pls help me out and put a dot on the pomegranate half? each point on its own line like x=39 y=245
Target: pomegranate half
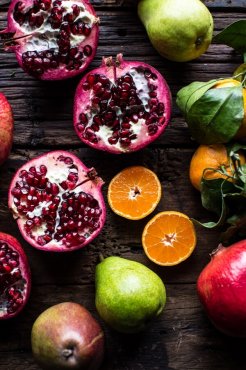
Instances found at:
x=57 y=202
x=15 y=277
x=222 y=289
x=6 y=128
x=121 y=106
x=52 y=39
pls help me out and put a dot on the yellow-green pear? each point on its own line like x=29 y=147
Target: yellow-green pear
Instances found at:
x=180 y=30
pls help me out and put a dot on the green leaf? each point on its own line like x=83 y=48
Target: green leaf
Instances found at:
x=227 y=199
x=217 y=115
x=189 y=94
x=234 y=36
x=212 y=193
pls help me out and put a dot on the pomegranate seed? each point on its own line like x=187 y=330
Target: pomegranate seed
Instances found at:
x=76 y=10
x=87 y=50
x=134 y=118
x=80 y=128
x=152 y=129
x=95 y=127
x=125 y=125
x=86 y=86
x=124 y=133
x=86 y=30
x=91 y=79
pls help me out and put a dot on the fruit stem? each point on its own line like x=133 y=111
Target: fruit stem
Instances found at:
x=92 y=174
x=67 y=353
x=101 y=257
x=12 y=40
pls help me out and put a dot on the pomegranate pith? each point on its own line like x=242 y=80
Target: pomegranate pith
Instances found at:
x=52 y=39
x=121 y=106
x=57 y=202
x=15 y=278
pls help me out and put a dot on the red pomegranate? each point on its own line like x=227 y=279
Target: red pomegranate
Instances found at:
x=57 y=202
x=121 y=106
x=52 y=39
x=15 y=277
x=6 y=128
x=222 y=289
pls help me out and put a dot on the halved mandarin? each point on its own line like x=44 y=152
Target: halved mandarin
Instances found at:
x=169 y=238
x=134 y=192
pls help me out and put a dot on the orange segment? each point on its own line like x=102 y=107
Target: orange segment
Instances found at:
x=134 y=192
x=169 y=238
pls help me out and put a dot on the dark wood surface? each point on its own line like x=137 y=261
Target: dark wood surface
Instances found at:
x=182 y=338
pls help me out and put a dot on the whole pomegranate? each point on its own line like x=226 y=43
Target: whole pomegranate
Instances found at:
x=15 y=277
x=66 y=336
x=121 y=106
x=57 y=202
x=52 y=39
x=6 y=128
x=222 y=289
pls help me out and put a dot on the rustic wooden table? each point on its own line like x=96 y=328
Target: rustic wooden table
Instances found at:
x=182 y=338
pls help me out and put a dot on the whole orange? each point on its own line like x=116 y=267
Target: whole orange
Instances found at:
x=210 y=157
x=230 y=82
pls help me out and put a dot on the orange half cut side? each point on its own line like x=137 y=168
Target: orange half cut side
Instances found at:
x=169 y=238
x=134 y=192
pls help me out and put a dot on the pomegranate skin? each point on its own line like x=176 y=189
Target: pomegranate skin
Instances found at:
x=50 y=215
x=122 y=106
x=21 y=283
x=26 y=38
x=221 y=288
x=6 y=128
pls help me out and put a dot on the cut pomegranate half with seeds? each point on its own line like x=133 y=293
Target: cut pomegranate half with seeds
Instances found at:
x=15 y=277
x=57 y=202
x=52 y=39
x=121 y=106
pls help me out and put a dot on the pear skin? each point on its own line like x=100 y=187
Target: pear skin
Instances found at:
x=180 y=30
x=128 y=294
x=66 y=336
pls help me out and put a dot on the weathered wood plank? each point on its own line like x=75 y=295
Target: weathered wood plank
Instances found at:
x=42 y=108
x=119 y=236
x=181 y=338
x=132 y=3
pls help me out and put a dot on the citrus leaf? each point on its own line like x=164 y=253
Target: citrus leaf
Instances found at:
x=234 y=36
x=217 y=115
x=189 y=94
x=213 y=200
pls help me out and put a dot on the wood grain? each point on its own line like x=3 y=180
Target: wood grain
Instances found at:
x=182 y=338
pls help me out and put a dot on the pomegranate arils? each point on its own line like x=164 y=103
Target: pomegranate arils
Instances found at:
x=52 y=35
x=14 y=277
x=115 y=104
x=53 y=207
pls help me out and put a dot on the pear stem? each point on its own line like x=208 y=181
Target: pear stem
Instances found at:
x=101 y=258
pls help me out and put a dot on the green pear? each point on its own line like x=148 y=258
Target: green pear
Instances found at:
x=128 y=294
x=180 y=30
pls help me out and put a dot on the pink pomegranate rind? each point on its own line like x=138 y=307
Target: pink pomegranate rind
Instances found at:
x=121 y=106
x=6 y=128
x=52 y=39
x=15 y=277
x=57 y=202
x=221 y=288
